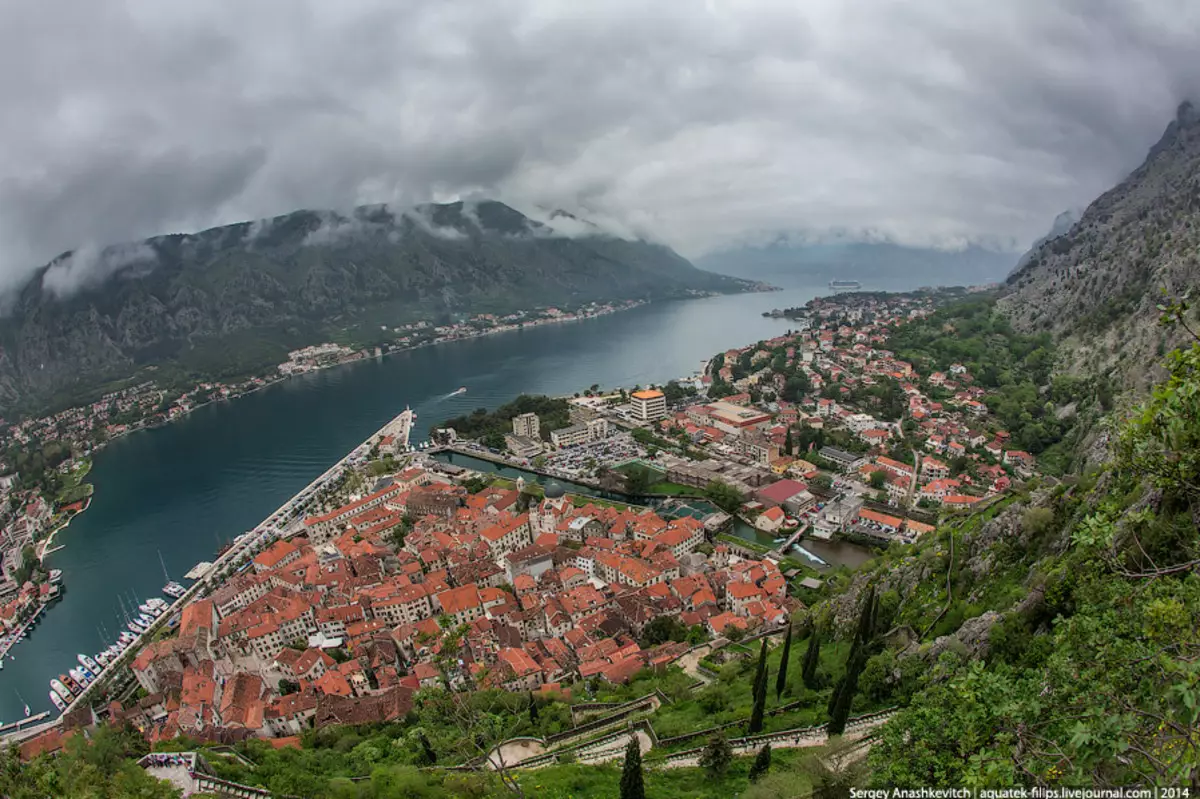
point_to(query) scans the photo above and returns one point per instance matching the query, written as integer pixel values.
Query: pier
(17, 725)
(14, 637)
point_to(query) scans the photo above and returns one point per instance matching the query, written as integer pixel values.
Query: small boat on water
(56, 575)
(79, 677)
(84, 660)
(174, 589)
(459, 390)
(60, 685)
(58, 701)
(137, 628)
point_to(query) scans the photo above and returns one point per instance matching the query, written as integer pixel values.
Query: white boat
(58, 702)
(84, 660)
(61, 689)
(78, 676)
(137, 628)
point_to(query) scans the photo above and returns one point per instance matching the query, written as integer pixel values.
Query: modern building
(527, 425)
(524, 446)
(583, 433)
(649, 406)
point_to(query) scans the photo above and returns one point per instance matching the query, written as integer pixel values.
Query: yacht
(56, 575)
(137, 628)
(84, 660)
(58, 702)
(174, 589)
(79, 677)
(65, 690)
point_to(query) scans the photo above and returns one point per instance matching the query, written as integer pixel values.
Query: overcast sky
(924, 121)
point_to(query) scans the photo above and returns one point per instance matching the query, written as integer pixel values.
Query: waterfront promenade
(274, 526)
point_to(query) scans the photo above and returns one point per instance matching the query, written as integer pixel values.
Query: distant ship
(845, 285)
(459, 390)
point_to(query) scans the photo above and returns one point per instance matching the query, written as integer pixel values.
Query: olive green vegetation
(103, 768)
(1040, 409)
(1096, 681)
(491, 426)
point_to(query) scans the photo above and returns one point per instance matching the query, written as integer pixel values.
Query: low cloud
(91, 265)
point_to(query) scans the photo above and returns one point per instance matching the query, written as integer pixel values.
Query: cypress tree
(812, 659)
(781, 679)
(716, 756)
(760, 692)
(632, 784)
(843, 695)
(533, 710)
(788, 446)
(762, 763)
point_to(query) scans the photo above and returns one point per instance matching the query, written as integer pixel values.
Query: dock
(14, 637)
(17, 725)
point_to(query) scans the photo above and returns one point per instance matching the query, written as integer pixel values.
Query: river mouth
(829, 554)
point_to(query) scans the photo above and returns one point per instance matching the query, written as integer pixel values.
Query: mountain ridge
(95, 315)
(1099, 284)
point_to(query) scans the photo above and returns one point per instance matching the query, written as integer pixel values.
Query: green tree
(638, 480)
(789, 446)
(812, 659)
(533, 710)
(878, 478)
(843, 694)
(716, 756)
(632, 782)
(724, 496)
(781, 678)
(760, 692)
(762, 763)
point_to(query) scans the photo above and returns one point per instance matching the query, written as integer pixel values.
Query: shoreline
(277, 378)
(43, 547)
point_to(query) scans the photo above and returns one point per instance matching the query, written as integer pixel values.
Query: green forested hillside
(234, 299)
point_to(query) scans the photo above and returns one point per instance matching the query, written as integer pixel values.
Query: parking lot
(582, 460)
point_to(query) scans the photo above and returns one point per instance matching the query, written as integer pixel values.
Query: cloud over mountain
(920, 123)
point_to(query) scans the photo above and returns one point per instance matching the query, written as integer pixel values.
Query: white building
(648, 406)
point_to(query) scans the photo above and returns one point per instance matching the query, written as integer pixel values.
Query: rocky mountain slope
(93, 316)
(1062, 225)
(1098, 285)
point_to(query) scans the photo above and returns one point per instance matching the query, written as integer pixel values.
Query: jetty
(17, 725)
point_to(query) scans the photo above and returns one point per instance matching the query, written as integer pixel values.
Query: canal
(833, 553)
